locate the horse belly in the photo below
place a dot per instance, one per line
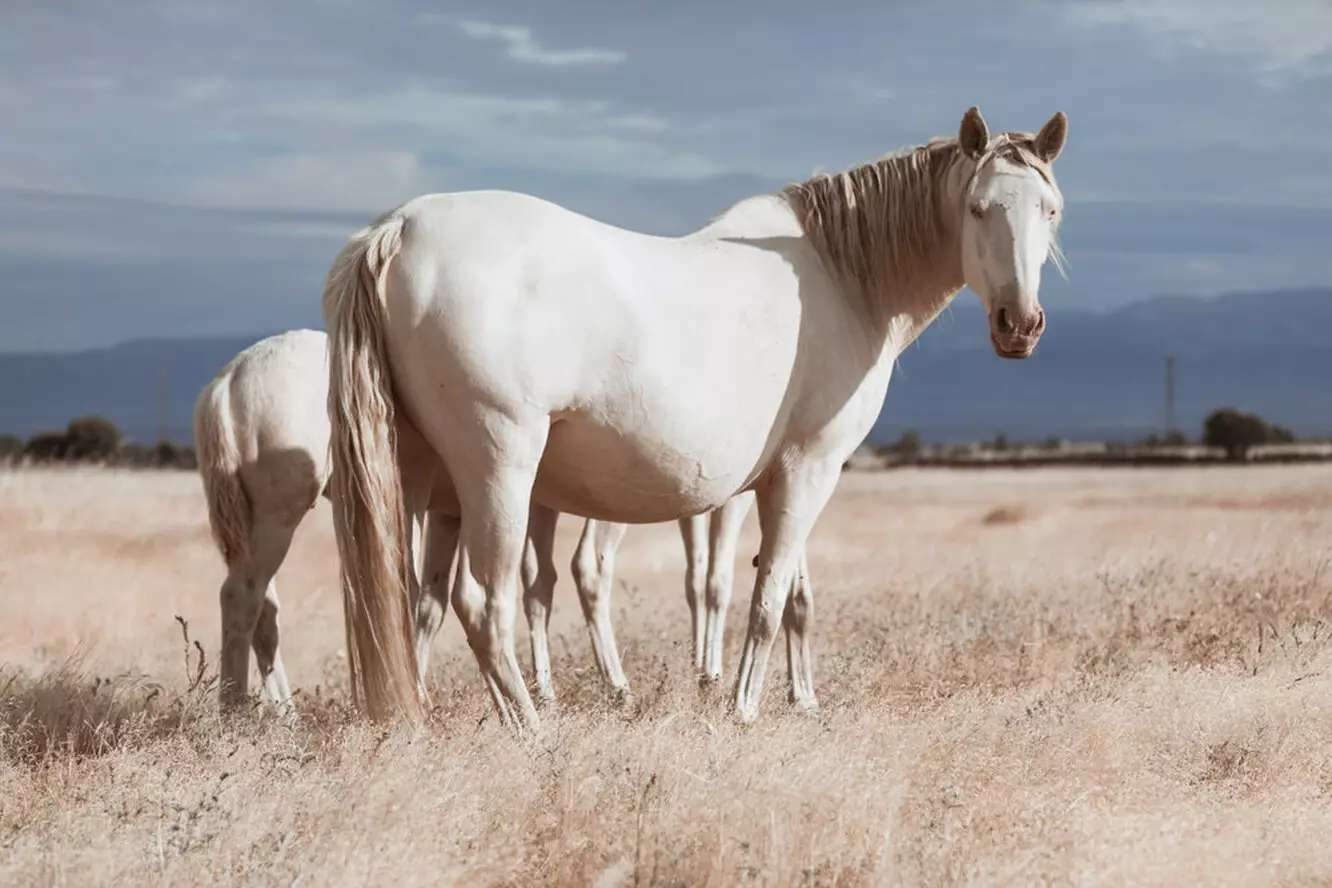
(635, 477)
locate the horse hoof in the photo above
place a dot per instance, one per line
(807, 706)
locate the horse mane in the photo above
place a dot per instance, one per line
(884, 227)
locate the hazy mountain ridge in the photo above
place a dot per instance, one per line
(1095, 375)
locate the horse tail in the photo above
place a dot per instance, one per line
(229, 511)
(368, 516)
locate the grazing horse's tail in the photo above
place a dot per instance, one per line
(367, 497)
(219, 468)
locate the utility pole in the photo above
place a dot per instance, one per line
(164, 404)
(1169, 395)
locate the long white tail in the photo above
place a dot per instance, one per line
(229, 510)
(367, 487)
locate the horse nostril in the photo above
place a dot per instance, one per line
(1040, 322)
(1002, 320)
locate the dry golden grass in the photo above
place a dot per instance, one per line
(1028, 677)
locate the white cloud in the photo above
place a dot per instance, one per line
(196, 91)
(521, 46)
(554, 135)
(332, 181)
(1290, 38)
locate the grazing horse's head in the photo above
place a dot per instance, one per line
(1011, 212)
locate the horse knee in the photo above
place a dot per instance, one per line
(589, 573)
(718, 588)
(696, 573)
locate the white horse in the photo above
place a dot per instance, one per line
(547, 357)
(262, 434)
(262, 444)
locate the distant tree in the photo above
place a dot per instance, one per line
(92, 438)
(136, 455)
(1236, 432)
(1054, 442)
(909, 444)
(1000, 442)
(1175, 438)
(170, 455)
(10, 446)
(47, 447)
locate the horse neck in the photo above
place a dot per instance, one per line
(898, 286)
(908, 299)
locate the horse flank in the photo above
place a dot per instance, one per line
(368, 517)
(219, 469)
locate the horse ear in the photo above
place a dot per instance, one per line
(973, 135)
(1050, 140)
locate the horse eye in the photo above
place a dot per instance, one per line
(977, 211)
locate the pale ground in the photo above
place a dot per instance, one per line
(1063, 676)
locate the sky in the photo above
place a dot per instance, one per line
(190, 168)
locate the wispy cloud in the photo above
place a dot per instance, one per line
(521, 46)
(333, 181)
(550, 134)
(1289, 39)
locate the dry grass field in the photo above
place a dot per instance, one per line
(1028, 677)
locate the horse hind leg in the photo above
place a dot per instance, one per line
(266, 654)
(440, 542)
(495, 495)
(240, 608)
(250, 617)
(539, 577)
(594, 575)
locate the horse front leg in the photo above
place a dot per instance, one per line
(694, 535)
(724, 537)
(796, 618)
(788, 505)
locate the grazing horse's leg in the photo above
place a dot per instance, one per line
(724, 535)
(440, 544)
(539, 577)
(788, 505)
(249, 615)
(495, 495)
(693, 530)
(799, 658)
(266, 653)
(594, 574)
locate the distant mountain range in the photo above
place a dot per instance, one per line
(1095, 376)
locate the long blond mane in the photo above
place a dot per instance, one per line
(886, 228)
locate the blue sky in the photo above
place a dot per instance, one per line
(180, 167)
